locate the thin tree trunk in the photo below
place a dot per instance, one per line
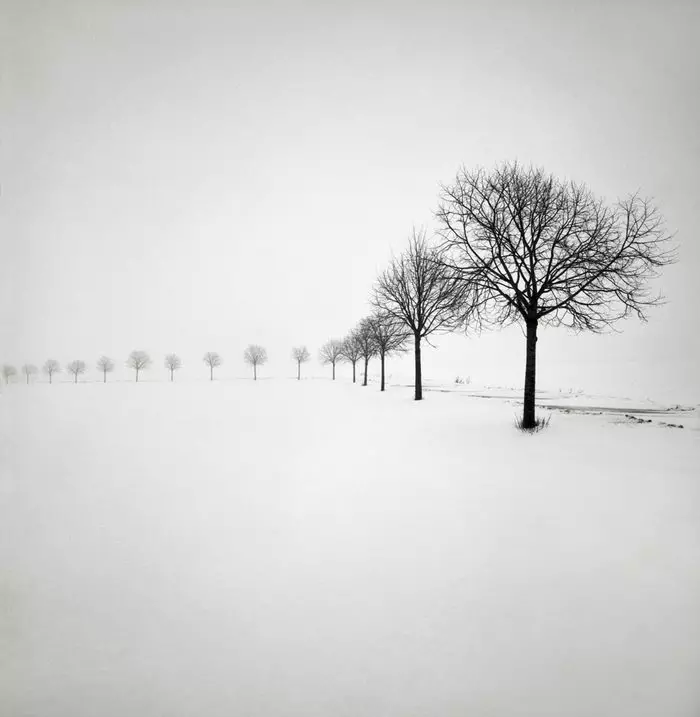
(530, 374)
(418, 396)
(353, 371)
(76, 378)
(364, 382)
(171, 375)
(137, 375)
(334, 370)
(255, 372)
(382, 382)
(105, 376)
(27, 379)
(211, 373)
(298, 370)
(50, 378)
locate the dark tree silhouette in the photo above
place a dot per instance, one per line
(172, 363)
(106, 365)
(77, 368)
(255, 356)
(301, 355)
(390, 336)
(536, 250)
(139, 361)
(8, 372)
(330, 353)
(352, 351)
(418, 290)
(212, 359)
(364, 335)
(29, 369)
(51, 367)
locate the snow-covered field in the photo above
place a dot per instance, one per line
(312, 548)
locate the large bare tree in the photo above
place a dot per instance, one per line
(51, 367)
(29, 370)
(536, 250)
(106, 365)
(352, 351)
(77, 368)
(390, 337)
(421, 292)
(330, 353)
(301, 355)
(8, 372)
(364, 335)
(139, 361)
(255, 356)
(212, 359)
(173, 363)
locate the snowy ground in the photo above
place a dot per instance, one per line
(278, 548)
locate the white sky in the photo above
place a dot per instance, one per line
(181, 176)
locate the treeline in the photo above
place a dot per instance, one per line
(138, 361)
(511, 245)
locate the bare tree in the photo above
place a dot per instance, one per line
(51, 367)
(172, 363)
(212, 359)
(418, 290)
(390, 336)
(352, 351)
(106, 365)
(255, 356)
(8, 372)
(139, 361)
(29, 369)
(301, 355)
(536, 250)
(364, 335)
(76, 368)
(330, 353)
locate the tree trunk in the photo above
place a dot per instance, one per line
(298, 370)
(211, 373)
(334, 370)
(364, 382)
(50, 378)
(418, 396)
(171, 375)
(27, 379)
(530, 374)
(105, 376)
(137, 375)
(382, 382)
(353, 371)
(255, 372)
(76, 378)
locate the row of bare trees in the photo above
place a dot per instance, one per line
(513, 245)
(138, 361)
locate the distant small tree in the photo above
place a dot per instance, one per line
(390, 336)
(331, 352)
(255, 356)
(8, 372)
(50, 368)
(172, 363)
(77, 368)
(29, 369)
(106, 365)
(139, 361)
(212, 359)
(352, 351)
(368, 346)
(301, 355)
